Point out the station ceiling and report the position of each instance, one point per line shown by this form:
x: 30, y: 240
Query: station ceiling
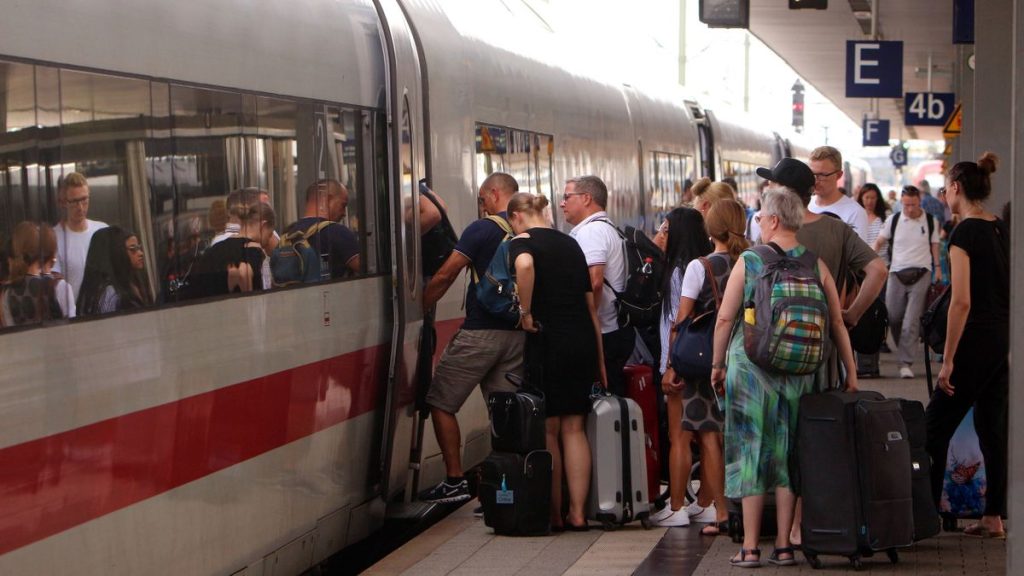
x: 813, y: 42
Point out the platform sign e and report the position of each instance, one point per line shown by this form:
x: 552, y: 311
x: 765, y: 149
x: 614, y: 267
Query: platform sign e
x: 876, y: 133
x: 927, y: 108
x: 874, y: 69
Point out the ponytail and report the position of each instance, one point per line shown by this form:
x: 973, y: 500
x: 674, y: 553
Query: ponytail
x: 726, y: 221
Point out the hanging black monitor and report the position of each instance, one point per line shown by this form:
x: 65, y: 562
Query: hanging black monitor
x: 725, y: 13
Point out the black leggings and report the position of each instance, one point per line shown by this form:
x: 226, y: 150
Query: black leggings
x: 980, y: 379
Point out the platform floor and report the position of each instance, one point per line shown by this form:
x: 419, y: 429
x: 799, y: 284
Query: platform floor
x: 461, y: 545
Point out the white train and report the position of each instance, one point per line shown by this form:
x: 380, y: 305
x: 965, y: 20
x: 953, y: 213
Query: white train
x: 260, y: 433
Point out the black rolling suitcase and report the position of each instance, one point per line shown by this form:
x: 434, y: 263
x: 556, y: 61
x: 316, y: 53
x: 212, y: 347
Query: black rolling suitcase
x: 515, y: 491
x: 855, y: 476
x: 926, y: 519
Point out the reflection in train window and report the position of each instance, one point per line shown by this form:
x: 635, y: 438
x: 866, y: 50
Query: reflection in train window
x: 158, y: 161
x: 668, y: 176
x: 746, y: 180
x: 527, y: 156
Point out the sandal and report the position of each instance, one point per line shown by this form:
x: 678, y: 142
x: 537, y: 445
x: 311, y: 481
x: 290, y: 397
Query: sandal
x: 980, y: 531
x: 774, y: 558
x: 740, y: 560
x: 715, y: 528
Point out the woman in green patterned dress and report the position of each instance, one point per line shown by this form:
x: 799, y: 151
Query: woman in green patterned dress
x: 761, y: 406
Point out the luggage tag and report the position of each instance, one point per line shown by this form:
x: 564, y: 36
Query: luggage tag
x: 504, y: 496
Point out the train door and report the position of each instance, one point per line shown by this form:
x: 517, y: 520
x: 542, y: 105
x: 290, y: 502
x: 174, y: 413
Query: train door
x: 406, y: 155
x: 638, y: 205
x: 705, y: 139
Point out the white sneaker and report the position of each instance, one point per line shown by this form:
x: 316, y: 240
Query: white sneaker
x: 702, y: 515
x: 662, y: 514
x: 674, y: 518
x: 906, y: 372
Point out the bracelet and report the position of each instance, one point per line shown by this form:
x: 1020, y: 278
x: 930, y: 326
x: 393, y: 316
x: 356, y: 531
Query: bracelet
x: 718, y: 365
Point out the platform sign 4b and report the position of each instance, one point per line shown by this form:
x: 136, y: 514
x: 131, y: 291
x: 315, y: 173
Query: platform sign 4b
x: 876, y: 132
x: 927, y: 108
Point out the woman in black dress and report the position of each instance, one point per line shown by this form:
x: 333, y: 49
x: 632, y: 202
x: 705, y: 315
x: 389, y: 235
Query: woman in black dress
x: 975, y: 366
x: 563, y: 347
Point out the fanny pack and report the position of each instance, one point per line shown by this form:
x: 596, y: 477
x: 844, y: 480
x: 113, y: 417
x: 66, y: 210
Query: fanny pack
x: 910, y: 276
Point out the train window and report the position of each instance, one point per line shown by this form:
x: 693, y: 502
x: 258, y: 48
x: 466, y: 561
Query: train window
x: 133, y: 178
x: 527, y: 156
x: 408, y: 167
x: 746, y: 179
x: 668, y: 176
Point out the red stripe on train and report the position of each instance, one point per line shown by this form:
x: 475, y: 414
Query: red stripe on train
x: 51, y: 484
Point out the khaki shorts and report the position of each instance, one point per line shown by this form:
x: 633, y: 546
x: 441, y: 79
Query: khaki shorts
x: 476, y: 357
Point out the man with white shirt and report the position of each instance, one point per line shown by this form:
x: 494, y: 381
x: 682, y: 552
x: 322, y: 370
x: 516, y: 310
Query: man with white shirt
x: 583, y: 204
x: 75, y: 230
x: 827, y: 165
x: 913, y: 237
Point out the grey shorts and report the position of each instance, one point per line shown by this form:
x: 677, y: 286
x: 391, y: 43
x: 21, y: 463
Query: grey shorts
x: 476, y: 357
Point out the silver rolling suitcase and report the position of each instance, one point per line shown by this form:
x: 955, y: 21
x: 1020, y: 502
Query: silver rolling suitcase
x: 618, y: 480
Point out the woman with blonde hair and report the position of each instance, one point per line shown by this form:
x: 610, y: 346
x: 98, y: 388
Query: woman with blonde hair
x: 29, y: 297
x: 560, y: 316
x: 701, y: 413
x: 236, y: 263
x: 706, y: 193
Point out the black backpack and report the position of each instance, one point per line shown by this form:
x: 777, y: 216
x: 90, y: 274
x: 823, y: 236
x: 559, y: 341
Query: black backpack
x: 639, y: 303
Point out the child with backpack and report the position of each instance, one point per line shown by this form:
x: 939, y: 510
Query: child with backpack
x: 787, y: 306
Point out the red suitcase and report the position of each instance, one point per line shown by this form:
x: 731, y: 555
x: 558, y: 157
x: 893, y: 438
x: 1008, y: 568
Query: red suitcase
x: 640, y: 387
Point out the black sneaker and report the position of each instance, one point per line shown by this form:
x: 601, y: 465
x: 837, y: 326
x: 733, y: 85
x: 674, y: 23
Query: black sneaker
x: 478, y: 511
x: 446, y: 493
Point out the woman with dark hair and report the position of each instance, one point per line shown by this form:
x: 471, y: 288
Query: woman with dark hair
x: 975, y: 361
x: 114, y: 278
x: 560, y: 316
x: 685, y: 241
x: 702, y: 416
x: 29, y: 297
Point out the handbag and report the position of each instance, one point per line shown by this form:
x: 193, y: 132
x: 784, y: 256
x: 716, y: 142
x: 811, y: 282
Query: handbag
x: 910, y: 276
x: 694, y: 343
x: 933, y: 321
x: 517, y: 419
x: 869, y: 333
x: 439, y: 241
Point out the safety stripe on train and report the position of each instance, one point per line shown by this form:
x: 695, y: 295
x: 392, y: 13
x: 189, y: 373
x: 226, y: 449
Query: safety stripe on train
x: 55, y: 483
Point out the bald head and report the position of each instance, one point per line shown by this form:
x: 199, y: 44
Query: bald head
x: 326, y: 198
x: 496, y: 191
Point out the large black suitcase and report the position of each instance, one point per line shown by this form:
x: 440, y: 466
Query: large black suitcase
x: 515, y: 491
x: 517, y: 421
x: 855, y: 476
x: 926, y: 518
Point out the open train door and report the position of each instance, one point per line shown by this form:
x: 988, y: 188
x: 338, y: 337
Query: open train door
x: 406, y: 166
x: 705, y: 139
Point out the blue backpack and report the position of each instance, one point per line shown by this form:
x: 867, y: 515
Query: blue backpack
x: 496, y: 292
x: 295, y: 261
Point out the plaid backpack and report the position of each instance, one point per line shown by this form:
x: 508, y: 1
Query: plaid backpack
x: 786, y: 323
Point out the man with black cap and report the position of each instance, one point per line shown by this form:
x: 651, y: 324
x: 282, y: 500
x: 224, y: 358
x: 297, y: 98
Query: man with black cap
x: 842, y: 250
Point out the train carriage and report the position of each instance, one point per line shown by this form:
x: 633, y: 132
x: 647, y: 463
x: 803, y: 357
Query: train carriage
x: 261, y: 432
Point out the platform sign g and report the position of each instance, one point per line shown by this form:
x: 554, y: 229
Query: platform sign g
x: 927, y: 108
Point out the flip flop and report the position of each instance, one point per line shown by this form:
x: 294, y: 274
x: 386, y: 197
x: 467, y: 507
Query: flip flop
x: 742, y: 562
x: 980, y: 531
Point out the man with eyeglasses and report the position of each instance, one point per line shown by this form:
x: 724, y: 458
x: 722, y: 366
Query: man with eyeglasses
x: 75, y: 230
x: 583, y: 204
x: 827, y: 166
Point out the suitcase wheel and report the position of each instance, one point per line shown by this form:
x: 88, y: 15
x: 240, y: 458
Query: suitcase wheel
x: 608, y: 525
x: 893, y: 555
x: 857, y: 563
x: 813, y: 560
x: 646, y: 522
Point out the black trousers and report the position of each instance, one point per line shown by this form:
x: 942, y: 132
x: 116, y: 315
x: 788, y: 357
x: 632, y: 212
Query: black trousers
x: 981, y: 372
x: 618, y: 347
